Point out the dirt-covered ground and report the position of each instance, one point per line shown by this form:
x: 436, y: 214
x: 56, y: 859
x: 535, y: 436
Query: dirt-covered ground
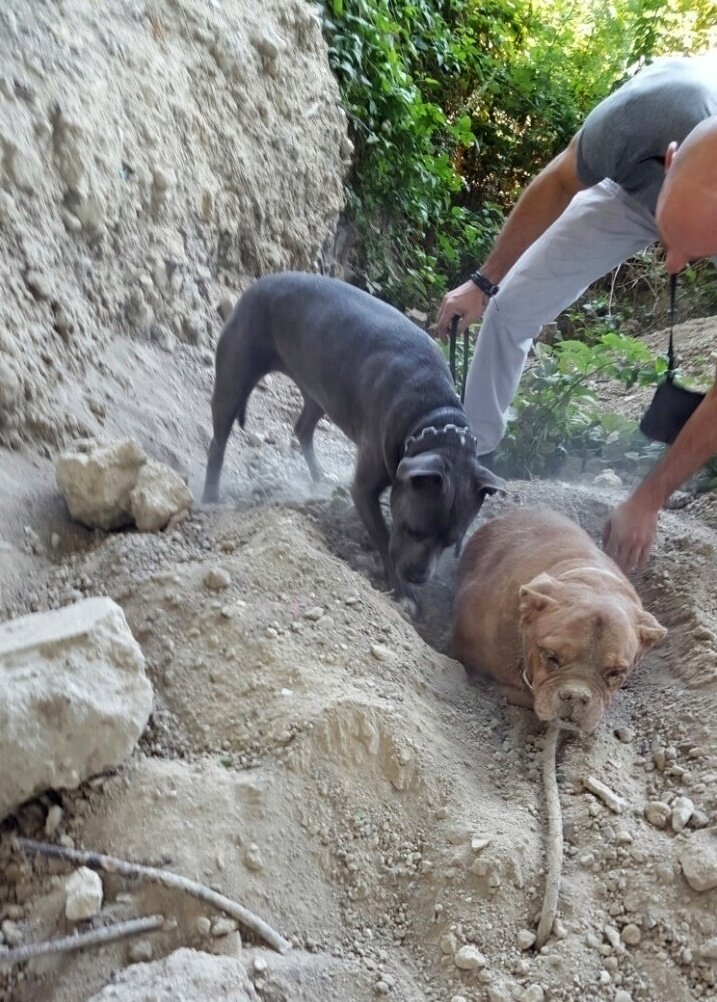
x: 311, y: 753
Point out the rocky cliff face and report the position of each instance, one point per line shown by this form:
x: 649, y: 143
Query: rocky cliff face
x: 154, y: 157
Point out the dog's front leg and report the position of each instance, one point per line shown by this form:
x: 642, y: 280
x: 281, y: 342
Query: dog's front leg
x: 370, y: 480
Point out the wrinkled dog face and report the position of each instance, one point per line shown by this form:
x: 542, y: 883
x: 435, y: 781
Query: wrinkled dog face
x: 580, y: 645
x: 434, y: 498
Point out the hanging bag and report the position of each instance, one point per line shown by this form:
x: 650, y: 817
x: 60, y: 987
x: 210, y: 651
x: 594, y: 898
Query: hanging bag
x: 672, y: 405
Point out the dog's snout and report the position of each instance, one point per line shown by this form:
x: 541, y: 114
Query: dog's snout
x: 575, y: 694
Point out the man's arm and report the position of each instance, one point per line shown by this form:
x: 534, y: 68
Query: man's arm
x: 630, y: 531
x: 542, y: 202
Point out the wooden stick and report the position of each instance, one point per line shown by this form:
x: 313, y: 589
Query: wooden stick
x: 93, y: 937
x: 137, y: 871
x: 555, y: 837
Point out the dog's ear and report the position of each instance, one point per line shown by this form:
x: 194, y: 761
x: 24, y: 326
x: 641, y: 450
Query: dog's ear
x: 649, y: 630
x: 536, y: 596
x: 486, y: 482
x: 427, y: 470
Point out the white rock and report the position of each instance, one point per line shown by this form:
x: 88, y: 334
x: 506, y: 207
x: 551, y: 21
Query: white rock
x: 631, y: 934
x: 75, y: 698
x: 526, y: 938
x: 382, y: 653
x: 608, y: 796
x: 53, y: 819
x: 534, y: 993
x: 469, y: 958
x: 97, y: 484
x: 623, y: 996
x: 708, y: 950
x: 158, y: 494
x: 657, y: 813
x: 682, y: 810
x: 607, y: 478
x: 699, y: 860
x: 216, y: 579
x: 84, y: 894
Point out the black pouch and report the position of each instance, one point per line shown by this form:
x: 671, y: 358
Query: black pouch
x: 669, y: 410
x: 672, y: 405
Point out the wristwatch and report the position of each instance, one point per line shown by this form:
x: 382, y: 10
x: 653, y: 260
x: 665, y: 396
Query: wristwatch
x: 484, y: 284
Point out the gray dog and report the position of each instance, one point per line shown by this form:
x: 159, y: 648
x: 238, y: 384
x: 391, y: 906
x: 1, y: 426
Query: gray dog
x: 384, y: 382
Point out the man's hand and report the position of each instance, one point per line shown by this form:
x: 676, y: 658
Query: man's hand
x: 466, y: 302
x: 629, y: 534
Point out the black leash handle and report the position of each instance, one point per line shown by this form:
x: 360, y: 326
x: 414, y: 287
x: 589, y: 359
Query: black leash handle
x: 452, y: 346
x: 671, y: 346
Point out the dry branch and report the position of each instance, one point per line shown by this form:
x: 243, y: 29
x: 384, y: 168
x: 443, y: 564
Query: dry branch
x: 555, y: 837
x: 137, y: 871
x: 93, y: 937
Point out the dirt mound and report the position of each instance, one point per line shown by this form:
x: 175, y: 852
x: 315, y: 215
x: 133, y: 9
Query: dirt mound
x: 311, y: 756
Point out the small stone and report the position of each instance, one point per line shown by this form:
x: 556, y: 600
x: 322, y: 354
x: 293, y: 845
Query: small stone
x: 252, y: 858
x: 526, y: 939
x: 84, y: 894
x: 164, y: 178
x: 623, y: 837
x: 222, y: 926
x: 623, y: 996
x: 534, y: 993
x: 260, y: 965
x: 140, y: 952
x: 625, y: 734
x: 381, y: 988
x: 53, y: 819
x: 38, y: 285
x: 612, y: 936
x: 607, y: 478
x: 216, y: 579
x: 631, y: 934
x: 708, y: 950
x: 203, y: 925
x: 459, y: 998
x: 604, y: 793
x: 315, y: 614
x: 225, y: 307
x: 657, y: 813
x: 382, y: 653
x: 699, y: 860
x: 682, y: 810
x: 11, y: 932
x: 449, y: 943
x: 469, y: 958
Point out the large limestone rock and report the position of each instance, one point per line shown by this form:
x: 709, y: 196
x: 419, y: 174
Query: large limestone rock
x: 75, y: 698
x: 96, y: 483
x: 699, y: 860
x: 158, y: 494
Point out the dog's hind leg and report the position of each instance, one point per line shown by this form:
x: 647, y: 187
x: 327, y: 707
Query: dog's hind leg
x: 241, y: 362
x: 304, y: 428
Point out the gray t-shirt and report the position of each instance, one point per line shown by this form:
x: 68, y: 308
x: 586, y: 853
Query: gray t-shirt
x: 626, y: 136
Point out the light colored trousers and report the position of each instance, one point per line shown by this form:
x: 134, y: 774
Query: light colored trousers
x: 601, y: 227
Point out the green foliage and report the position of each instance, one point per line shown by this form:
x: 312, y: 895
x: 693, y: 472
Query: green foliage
x: 557, y: 415
x: 454, y: 106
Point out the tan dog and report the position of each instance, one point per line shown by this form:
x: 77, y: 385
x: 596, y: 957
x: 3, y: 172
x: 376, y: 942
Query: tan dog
x: 546, y: 613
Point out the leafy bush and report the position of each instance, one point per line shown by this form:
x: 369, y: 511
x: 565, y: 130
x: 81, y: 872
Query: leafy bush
x: 557, y: 415
x: 454, y: 106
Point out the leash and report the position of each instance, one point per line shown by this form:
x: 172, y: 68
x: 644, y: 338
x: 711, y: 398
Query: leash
x: 671, y: 346
x: 452, y: 354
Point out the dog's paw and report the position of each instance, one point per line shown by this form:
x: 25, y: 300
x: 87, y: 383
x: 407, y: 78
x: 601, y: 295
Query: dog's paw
x: 407, y: 601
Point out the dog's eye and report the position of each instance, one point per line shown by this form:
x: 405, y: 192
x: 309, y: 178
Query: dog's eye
x: 615, y: 675
x: 549, y: 658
